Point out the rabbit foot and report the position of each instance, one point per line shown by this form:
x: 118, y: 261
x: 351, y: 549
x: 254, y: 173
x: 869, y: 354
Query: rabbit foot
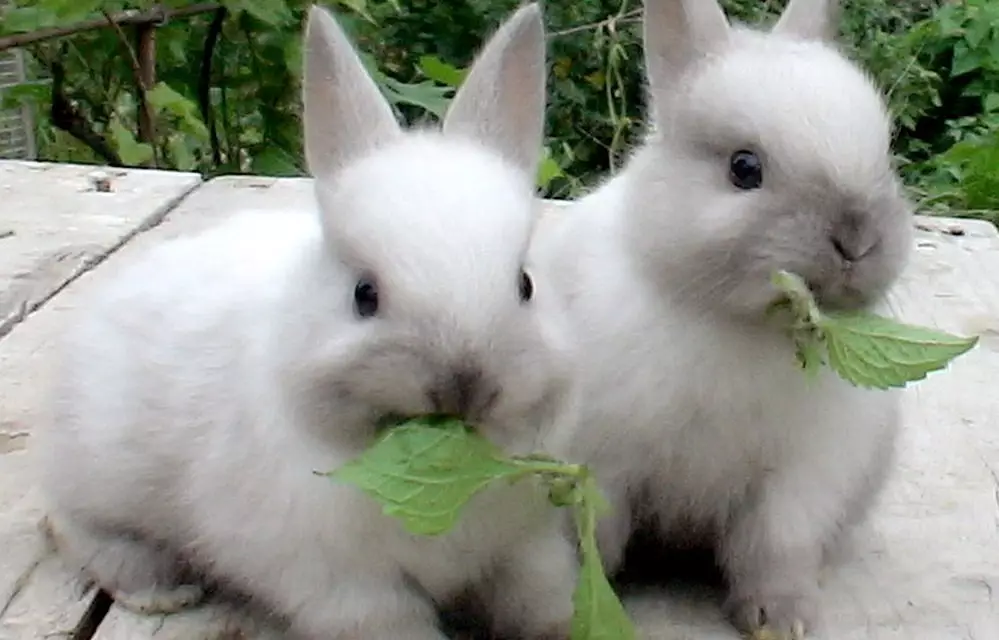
x: 772, y: 617
x: 160, y: 600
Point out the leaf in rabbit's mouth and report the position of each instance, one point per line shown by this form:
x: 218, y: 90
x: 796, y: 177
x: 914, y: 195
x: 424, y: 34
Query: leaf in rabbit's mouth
x: 392, y: 420
x: 424, y: 471
x: 863, y: 348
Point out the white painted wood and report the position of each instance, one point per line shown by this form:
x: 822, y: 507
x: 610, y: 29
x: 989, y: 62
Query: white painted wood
x: 924, y: 570
x: 55, y: 224
x: 51, y: 229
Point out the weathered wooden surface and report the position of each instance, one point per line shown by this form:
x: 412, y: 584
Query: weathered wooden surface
x: 925, y: 569
x: 56, y: 224
x: 53, y: 227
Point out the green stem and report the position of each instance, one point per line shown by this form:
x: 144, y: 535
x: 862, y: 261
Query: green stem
x: 534, y: 465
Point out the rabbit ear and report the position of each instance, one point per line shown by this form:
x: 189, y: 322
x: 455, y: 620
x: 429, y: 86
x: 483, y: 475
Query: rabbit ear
x: 676, y: 34
x: 501, y: 103
x: 810, y: 19
x: 344, y: 114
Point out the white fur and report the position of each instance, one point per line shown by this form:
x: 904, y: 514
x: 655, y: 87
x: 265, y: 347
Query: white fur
x: 695, y: 414
x: 204, y: 384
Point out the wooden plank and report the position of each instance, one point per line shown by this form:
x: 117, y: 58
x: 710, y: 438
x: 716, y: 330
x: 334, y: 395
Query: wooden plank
x: 57, y: 223
x: 52, y: 228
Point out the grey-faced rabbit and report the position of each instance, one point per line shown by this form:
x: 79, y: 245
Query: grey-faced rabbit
x: 769, y: 150
x: 205, y: 383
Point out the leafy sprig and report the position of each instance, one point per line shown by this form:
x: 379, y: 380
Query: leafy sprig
x: 863, y: 348
x: 424, y: 470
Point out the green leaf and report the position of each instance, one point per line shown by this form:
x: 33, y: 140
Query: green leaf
x: 15, y: 95
x: 876, y: 352
x: 70, y: 11
x: 442, y: 72
x: 164, y: 98
x: 26, y: 19
x: 293, y: 56
x: 181, y: 154
x: 598, y: 613
x: 429, y: 96
x: 273, y: 13
x: 360, y: 7
x: 548, y: 169
x: 424, y: 472
x: 863, y: 348
x: 274, y: 162
x: 132, y: 153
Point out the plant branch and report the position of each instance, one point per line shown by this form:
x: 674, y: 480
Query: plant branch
x: 630, y: 16
x: 205, y: 81
x: 131, y: 16
x: 142, y: 73
x: 68, y: 118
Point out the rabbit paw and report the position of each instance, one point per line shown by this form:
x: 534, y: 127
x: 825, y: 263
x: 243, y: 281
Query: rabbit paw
x: 772, y: 616
x: 160, y: 600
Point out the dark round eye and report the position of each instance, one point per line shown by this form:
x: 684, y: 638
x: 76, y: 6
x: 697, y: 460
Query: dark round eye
x: 366, y: 298
x: 526, y: 287
x: 745, y: 170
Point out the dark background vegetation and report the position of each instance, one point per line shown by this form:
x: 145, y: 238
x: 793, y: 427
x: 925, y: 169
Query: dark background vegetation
x: 938, y: 62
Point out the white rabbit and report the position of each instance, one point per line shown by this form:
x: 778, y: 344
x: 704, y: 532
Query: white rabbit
x: 204, y: 385
x: 769, y: 150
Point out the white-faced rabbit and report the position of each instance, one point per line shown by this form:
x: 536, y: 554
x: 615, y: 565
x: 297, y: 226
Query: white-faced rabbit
x: 203, y: 386
x: 769, y: 150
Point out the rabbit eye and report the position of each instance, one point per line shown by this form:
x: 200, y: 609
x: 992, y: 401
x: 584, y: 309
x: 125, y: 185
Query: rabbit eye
x: 526, y: 286
x: 745, y: 170
x: 366, y: 298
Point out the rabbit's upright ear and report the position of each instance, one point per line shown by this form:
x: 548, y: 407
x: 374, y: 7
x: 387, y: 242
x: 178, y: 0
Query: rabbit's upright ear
x: 502, y: 100
x: 810, y: 19
x: 676, y: 34
x: 345, y: 115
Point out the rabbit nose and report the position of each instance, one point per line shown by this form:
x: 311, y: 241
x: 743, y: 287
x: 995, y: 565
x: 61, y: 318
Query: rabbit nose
x: 463, y: 391
x: 844, y: 249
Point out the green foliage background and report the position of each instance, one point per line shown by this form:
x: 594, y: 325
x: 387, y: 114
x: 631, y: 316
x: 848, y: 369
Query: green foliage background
x: 937, y: 60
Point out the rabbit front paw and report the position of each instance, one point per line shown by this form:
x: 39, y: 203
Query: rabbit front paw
x: 772, y: 616
x: 161, y: 600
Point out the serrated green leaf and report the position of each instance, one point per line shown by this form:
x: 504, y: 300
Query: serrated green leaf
x: 427, y: 95
x: 597, y: 611
x: 877, y: 352
x: 442, y: 72
x: 424, y: 473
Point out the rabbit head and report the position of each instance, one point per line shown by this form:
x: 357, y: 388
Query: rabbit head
x: 772, y: 150
x: 427, y: 233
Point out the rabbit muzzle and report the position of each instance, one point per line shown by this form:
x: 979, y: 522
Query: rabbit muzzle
x: 464, y: 391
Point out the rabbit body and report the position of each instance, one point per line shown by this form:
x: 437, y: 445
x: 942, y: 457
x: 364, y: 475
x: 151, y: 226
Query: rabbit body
x: 696, y: 417
x: 203, y: 386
